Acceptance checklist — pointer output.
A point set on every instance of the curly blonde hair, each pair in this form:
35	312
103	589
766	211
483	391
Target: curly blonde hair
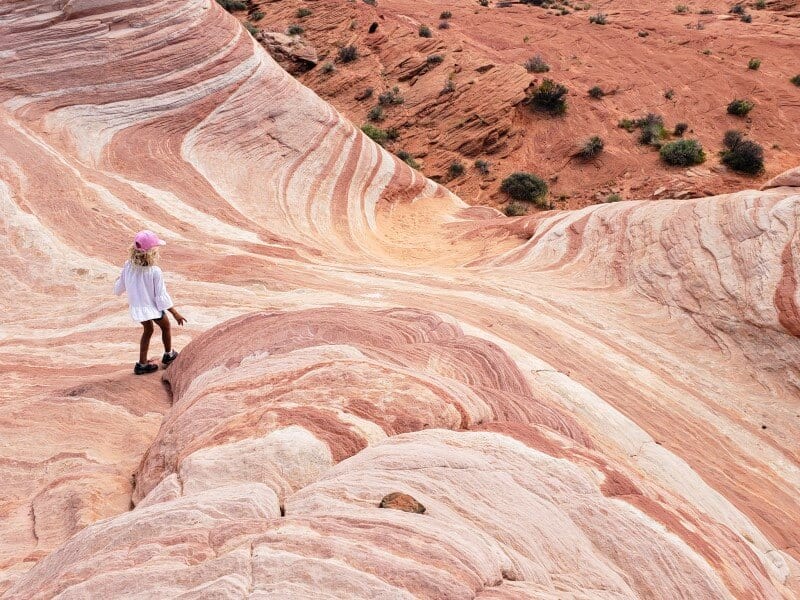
141	258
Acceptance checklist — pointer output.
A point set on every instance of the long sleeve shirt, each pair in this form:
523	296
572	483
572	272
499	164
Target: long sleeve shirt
147	293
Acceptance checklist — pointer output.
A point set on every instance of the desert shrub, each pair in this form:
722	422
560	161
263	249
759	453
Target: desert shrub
390	97
449	87
515	209
737	9
295	30
408	159
252	29
444	25
536	64
706	11
549	96
371	2
741	154
652	129
424	31
256	16
669	94
483	2
642	33
348	54
445	14
746	18
598	19
375	133
231	5
434	59
328	68
482	166
627	124
303	12
795	80
681	9
732	138
591	147
761	4
613	198
682	153
525	186
376	114
596	92
680	129
456	169
754	64
739	107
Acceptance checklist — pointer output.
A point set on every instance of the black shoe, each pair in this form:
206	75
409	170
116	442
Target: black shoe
141	369
169	357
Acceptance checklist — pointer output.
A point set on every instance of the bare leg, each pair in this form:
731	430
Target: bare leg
166	333
144	343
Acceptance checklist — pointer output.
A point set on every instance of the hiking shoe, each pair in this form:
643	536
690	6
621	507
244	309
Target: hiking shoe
141	369
169	357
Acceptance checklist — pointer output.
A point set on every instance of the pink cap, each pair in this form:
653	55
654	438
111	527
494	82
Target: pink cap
146	240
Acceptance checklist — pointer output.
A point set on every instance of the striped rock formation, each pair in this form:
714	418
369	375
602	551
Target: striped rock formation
594	404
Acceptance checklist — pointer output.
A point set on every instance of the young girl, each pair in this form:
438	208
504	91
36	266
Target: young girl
148	298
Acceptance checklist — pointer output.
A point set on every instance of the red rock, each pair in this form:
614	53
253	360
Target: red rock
401	501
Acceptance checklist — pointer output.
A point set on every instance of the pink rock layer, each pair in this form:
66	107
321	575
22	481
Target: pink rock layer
591	404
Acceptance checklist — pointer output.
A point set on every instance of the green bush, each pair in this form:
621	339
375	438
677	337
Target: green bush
456	169
231	5
761	4
681	128
669	94
536	64
482	166
598	19
592	147
795	80
375	133
295	30
740	108
434	59
408	159
256	16
681	9
627	124
391	97
302	13
737	9
596	92
252	29
652	129
741	154
754	64
682	153
483	2
525	186
328	68
746	18
449	87
445	14
348	54
613	198
376	114
425	31
549	97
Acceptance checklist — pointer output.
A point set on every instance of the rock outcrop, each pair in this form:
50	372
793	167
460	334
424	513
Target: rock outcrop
592	404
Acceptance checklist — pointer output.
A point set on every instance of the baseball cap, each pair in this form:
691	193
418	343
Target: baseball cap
146	240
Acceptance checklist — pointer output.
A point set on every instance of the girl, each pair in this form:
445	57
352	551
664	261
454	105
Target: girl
148	298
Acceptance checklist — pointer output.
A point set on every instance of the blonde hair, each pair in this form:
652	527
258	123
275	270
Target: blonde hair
141	258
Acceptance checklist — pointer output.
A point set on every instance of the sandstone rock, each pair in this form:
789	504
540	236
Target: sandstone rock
293	54
401	501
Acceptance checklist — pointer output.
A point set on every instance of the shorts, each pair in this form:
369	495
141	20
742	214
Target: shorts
163	313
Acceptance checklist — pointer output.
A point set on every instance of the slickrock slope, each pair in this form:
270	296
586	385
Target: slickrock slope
602	403
646	49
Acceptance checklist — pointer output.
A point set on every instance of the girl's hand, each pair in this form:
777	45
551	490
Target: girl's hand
178	317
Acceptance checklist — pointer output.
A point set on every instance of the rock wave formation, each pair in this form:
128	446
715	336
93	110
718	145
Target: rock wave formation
602	403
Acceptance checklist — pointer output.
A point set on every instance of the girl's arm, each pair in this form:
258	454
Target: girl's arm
178	317
163	299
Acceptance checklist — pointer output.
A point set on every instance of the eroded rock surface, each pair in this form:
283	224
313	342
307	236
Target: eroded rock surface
590	404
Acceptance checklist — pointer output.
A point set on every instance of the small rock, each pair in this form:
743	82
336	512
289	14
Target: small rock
400	501
659	191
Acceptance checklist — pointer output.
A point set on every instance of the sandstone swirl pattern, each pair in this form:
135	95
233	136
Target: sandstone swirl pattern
597	404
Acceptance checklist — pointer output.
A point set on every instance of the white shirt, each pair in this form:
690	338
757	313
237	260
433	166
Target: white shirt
147	294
